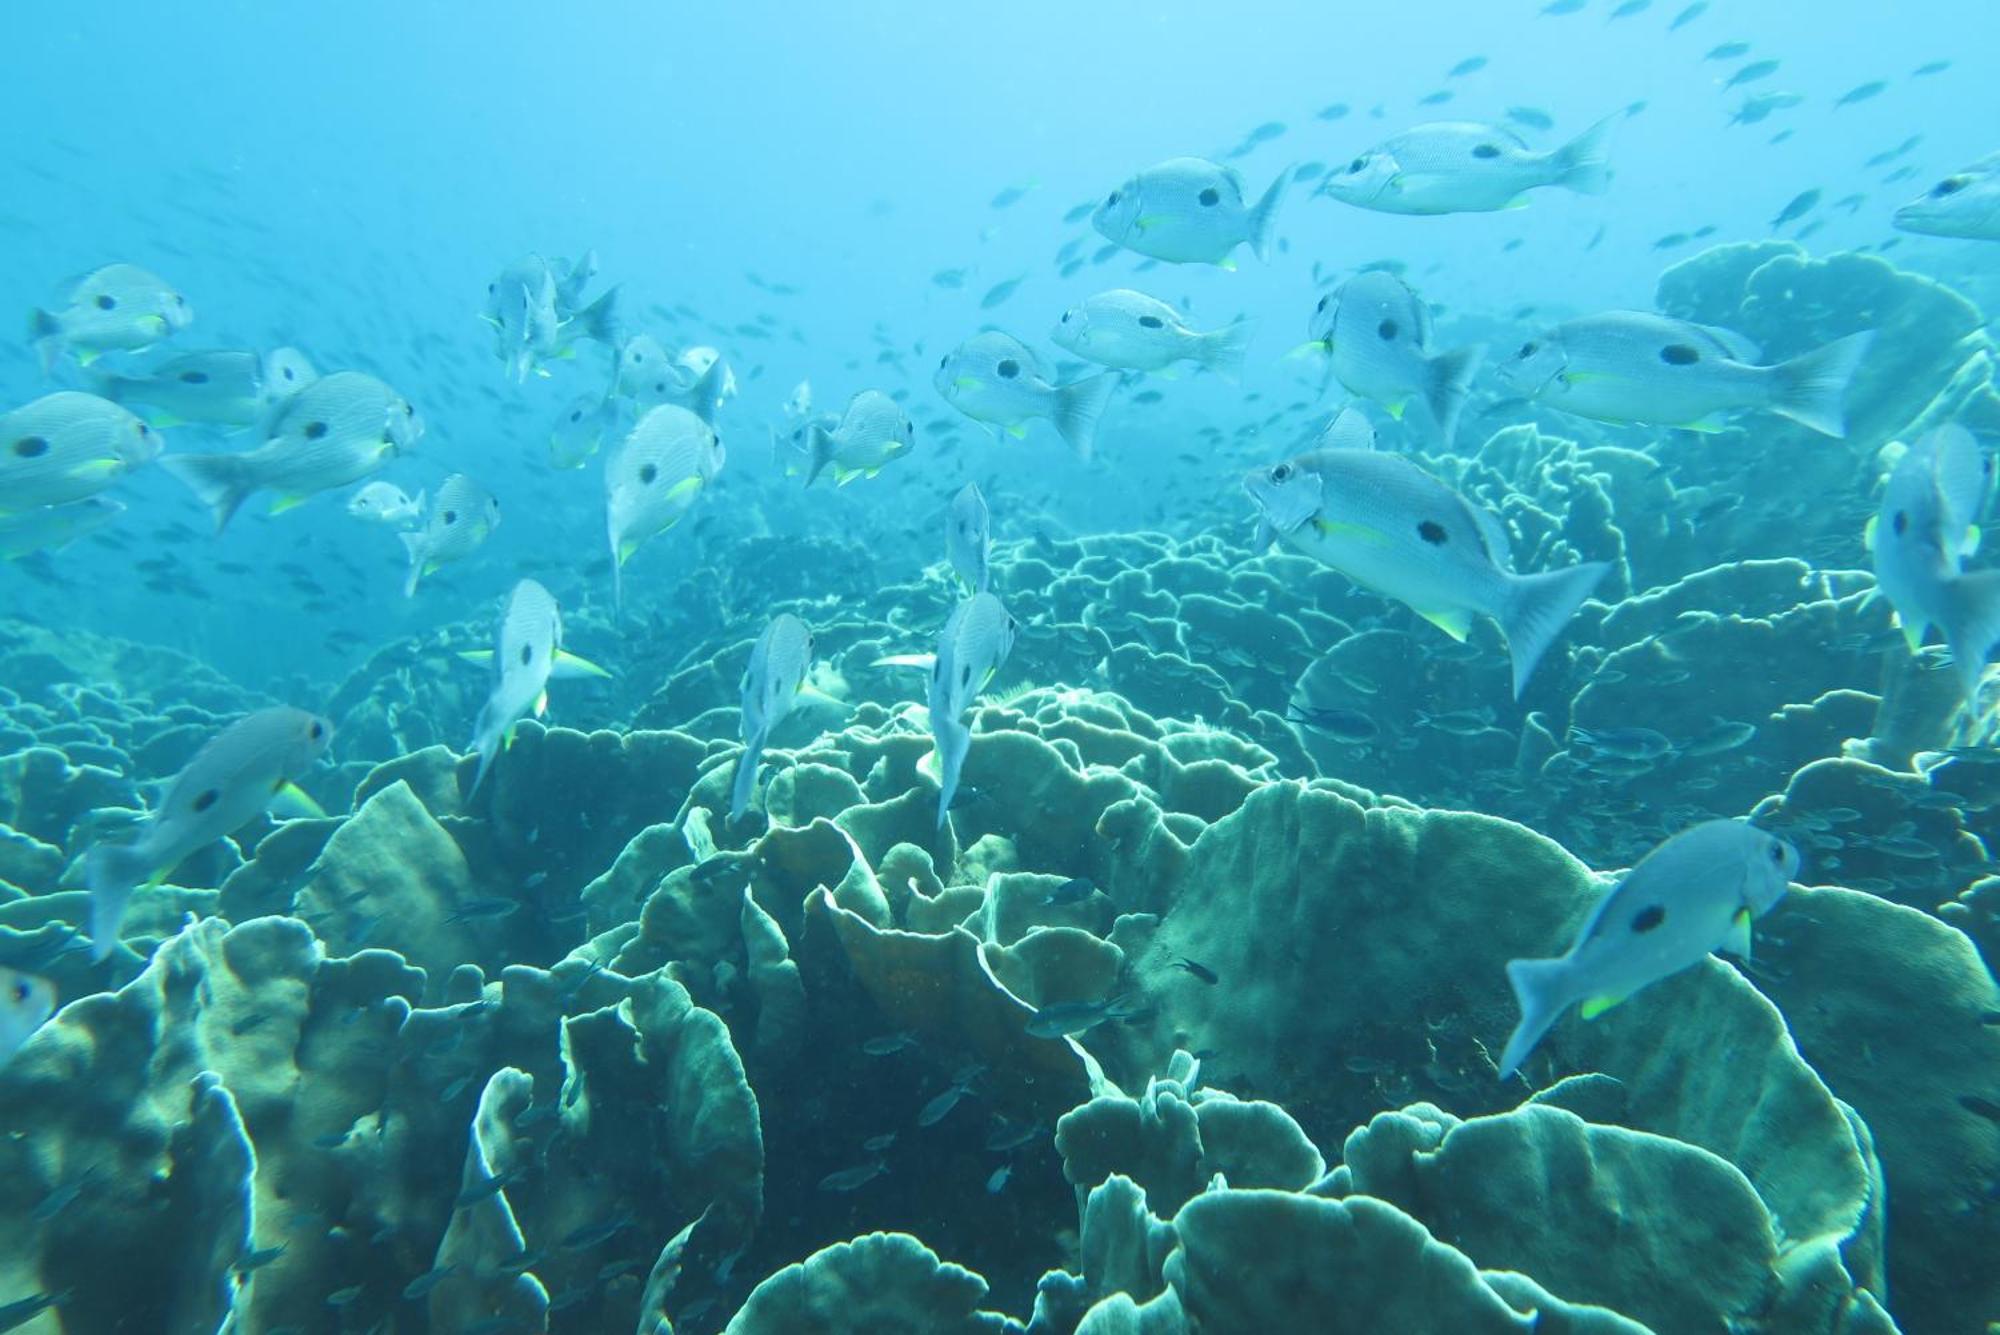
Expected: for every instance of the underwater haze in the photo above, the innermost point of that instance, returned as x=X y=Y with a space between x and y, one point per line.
x=1062 y=669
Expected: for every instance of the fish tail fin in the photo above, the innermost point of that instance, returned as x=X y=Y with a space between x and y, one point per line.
x=1449 y=378
x=600 y=320
x=413 y=543
x=1264 y=218
x=1811 y=389
x=1077 y=408
x=222 y=482
x=45 y=330
x=1582 y=164
x=746 y=777
x=706 y=395
x=953 y=740
x=1972 y=625
x=819 y=451
x=1222 y=350
x=113 y=872
x=1538 y=987
x=1537 y=608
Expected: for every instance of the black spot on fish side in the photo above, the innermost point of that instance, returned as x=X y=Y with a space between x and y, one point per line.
x=1387 y=330
x=527 y=654
x=317 y=730
x=1486 y=151
x=107 y=303
x=194 y=377
x=1901 y=522
x=648 y=473
x=451 y=516
x=31 y=447
x=1646 y=919
x=207 y=798
x=315 y=430
x=1527 y=351
x=659 y=386
x=1432 y=532
x=1210 y=197
x=576 y=416
x=1151 y=322
x=1680 y=354
x=1008 y=368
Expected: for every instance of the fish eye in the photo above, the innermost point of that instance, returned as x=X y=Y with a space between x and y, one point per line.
x=107 y=302
x=1356 y=165
x=1527 y=350
x=1065 y=319
x=180 y=300
x=317 y=730
x=943 y=360
x=1323 y=303
x=1486 y=151
x=1950 y=185
x=1281 y=472
x=492 y=287
x=145 y=430
x=1112 y=198
x=1777 y=852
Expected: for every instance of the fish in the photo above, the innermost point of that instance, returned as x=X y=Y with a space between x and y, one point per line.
x=1343 y=725
x=999 y=292
x=1532 y=117
x=851 y=1179
x=1760 y=106
x=1629 y=8
x=50 y=528
x=779 y=662
x=582 y=428
x=882 y=1045
x=23 y=1310
x=386 y=503
x=994 y=378
x=1467 y=167
x=1065 y=1018
x=69 y=446
x=654 y=478
x=1861 y=92
x=938 y=1108
x=1623 y=743
x=997 y=1181
x=1333 y=111
x=532 y=306
x=975 y=641
x=1930 y=67
x=118 y=308
x=1377 y=337
x=1688 y=15
x=235 y=775
x=1195 y=969
x=421 y=1286
x=1556 y=8
x=1727 y=51
x=231 y=389
x=1393 y=528
x=1696 y=893
x=1965 y=204
x=1920 y=538
x=1636 y=367
x=649 y=376
x=968 y=538
x=1134 y=332
x=335 y=431
x=1348 y=429
x=1470 y=65
x=1802 y=203
x=1190 y=211
x=1076 y=890
x=871 y=434
x=527 y=655
x=1755 y=70
x=463 y=515
x=799 y=404
x=26 y=1003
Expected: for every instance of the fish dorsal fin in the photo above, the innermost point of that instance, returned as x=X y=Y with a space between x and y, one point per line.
x=1453 y=621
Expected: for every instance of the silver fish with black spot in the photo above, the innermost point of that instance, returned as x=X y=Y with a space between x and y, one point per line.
x=654 y=478
x=1134 y=332
x=777 y=669
x=220 y=388
x=1377 y=337
x=527 y=654
x=1190 y=211
x=68 y=446
x=462 y=517
x=968 y=538
x=1465 y=167
x=118 y=308
x=994 y=378
x=1965 y=204
x=975 y=641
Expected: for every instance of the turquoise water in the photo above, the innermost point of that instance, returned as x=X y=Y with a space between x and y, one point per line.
x=1268 y=796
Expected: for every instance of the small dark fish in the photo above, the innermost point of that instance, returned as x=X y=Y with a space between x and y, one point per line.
x=1005 y=1136
x=1012 y=195
x=999 y=292
x=1198 y=970
x=342 y=1297
x=1688 y=15
x=1930 y=67
x=1265 y=133
x=1728 y=51
x=950 y=278
x=1080 y=212
x=1860 y=93
x=1629 y=8
x=879 y=1144
x=591 y=1235
x=487 y=1188
x=1755 y=70
x=1672 y=240
x=1437 y=99
x=884 y=1044
x=1074 y=1017
x=1532 y=117
x=940 y=1107
x=997 y=1183
x=611 y=1270
x=485 y=910
x=1343 y=725
x=1332 y=112
x=1802 y=203
x=59 y=1199
x=27 y=1309
x=848 y=1179
x=1470 y=65
x=1557 y=7
x=520 y=1263
x=455 y=1088
x=1073 y=891
x=253 y=1261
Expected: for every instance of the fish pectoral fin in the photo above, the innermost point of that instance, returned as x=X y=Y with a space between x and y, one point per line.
x=924 y=661
x=685 y=489
x=1970 y=547
x=95 y=469
x=1708 y=425
x=541 y=704
x=1151 y=220
x=292 y=798
x=965 y=382
x=483 y=657
x=1517 y=202
x=1333 y=528
x=284 y=503
x=1395 y=409
x=1227 y=262
x=1312 y=347
x=1595 y=1006
x=1019 y=431
x=1914 y=632
x=1453 y=621
x=568 y=665
x=843 y=476
x=1737 y=943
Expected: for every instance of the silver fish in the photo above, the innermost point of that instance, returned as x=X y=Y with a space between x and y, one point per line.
x=649 y=376
x=50 y=528
x=527 y=654
x=994 y=378
x=975 y=641
x=119 y=308
x=778 y=665
x=1696 y=893
x=1964 y=204
x=1465 y=167
x=1377 y=335
x=654 y=478
x=1920 y=538
x=235 y=775
x=1632 y=366
x=1189 y=211
x=68 y=446
x=25 y=1003
x=872 y=433
x=216 y=388
x=535 y=309
x=968 y=538
x=1134 y=332
x=335 y=431
x=1393 y=528
x=386 y=503
x=462 y=517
